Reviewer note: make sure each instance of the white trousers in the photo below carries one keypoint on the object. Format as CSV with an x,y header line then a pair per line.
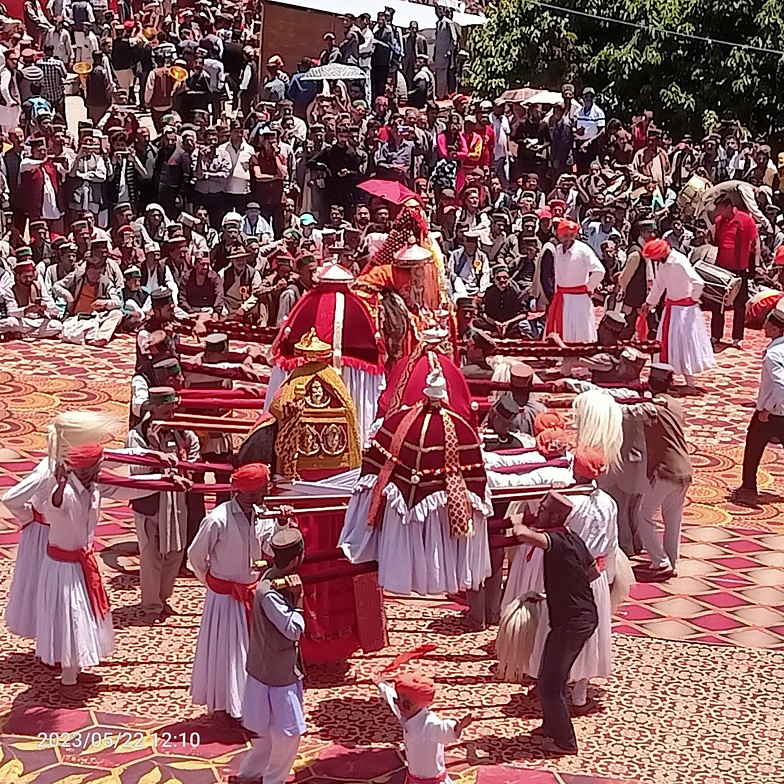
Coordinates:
x,y
670,498
10,324
271,757
100,326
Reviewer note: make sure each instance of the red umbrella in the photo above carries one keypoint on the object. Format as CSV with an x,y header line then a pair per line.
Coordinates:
x,y
389,190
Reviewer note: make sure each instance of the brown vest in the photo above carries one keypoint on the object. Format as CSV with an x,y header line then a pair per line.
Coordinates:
x,y
273,659
25,296
162,87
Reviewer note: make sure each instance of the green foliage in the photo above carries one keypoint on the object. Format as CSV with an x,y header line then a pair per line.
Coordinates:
x,y
681,80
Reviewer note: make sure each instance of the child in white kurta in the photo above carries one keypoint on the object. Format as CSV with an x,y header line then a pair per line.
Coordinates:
x,y
69,631
424,733
20,612
682,331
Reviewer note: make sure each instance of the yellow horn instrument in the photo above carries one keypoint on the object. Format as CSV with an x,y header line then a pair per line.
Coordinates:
x,y
83,69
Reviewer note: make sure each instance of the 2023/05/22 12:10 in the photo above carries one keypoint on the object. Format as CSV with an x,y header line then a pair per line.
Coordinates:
x,y
182,740
93,740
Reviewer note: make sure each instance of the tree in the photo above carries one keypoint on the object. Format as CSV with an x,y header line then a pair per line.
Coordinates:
x,y
522,44
641,65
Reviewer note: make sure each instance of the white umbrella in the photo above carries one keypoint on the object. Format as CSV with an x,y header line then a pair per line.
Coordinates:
x,y
545,97
334,71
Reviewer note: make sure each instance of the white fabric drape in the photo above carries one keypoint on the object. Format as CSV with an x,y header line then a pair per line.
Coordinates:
x,y
415,551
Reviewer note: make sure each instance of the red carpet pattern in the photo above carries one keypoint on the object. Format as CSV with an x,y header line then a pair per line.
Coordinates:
x,y
675,710
672,712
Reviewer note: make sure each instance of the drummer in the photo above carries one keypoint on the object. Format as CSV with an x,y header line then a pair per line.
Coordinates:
x,y
737,239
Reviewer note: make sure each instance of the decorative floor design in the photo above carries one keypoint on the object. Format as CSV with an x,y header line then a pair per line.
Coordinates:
x,y
675,711
729,591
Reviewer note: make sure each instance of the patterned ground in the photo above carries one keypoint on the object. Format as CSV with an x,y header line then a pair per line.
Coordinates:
x,y
675,711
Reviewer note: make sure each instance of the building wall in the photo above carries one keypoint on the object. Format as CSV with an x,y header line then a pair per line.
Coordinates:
x,y
294,33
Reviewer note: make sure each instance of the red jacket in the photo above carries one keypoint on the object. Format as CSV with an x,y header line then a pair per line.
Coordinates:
x,y
32,187
736,239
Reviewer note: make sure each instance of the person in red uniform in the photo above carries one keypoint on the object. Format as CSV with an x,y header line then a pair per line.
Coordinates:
x,y
737,238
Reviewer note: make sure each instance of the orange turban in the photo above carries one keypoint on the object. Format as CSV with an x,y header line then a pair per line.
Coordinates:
x,y
551,442
546,419
417,687
567,228
589,462
85,456
656,250
250,477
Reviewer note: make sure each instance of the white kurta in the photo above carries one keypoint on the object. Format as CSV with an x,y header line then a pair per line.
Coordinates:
x,y
424,738
689,347
277,709
67,631
172,516
83,330
578,266
414,548
20,611
226,546
594,520
46,326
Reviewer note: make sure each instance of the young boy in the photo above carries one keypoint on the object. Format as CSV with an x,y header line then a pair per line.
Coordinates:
x,y
424,733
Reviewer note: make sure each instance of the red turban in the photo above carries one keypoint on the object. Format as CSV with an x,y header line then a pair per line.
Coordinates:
x,y
589,462
778,256
84,456
250,477
547,419
551,442
656,249
567,228
418,688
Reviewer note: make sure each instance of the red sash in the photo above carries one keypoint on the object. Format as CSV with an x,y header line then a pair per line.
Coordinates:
x,y
416,780
641,326
554,322
37,518
669,304
96,591
241,592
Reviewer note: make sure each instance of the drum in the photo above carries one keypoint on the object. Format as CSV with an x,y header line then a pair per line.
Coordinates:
x,y
721,285
692,190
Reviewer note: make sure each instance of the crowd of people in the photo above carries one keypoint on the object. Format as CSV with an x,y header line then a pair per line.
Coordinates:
x,y
401,241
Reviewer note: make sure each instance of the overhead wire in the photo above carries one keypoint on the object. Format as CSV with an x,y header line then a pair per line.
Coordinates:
x,y
659,30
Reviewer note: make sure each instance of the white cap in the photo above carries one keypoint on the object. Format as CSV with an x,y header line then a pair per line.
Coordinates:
x,y
151,247
777,312
434,335
413,254
335,273
231,217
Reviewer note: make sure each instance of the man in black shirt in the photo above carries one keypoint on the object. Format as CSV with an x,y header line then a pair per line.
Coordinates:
x,y
382,58
568,571
343,165
504,308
